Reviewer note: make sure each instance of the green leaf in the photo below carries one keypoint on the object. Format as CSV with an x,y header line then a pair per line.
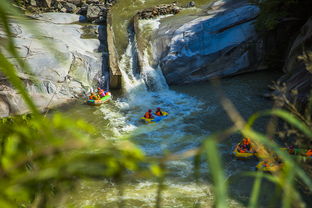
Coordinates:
x,y
216,169
156,170
290,118
255,190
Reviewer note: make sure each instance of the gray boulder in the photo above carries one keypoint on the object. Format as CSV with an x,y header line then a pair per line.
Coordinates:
x,y
70,8
67,71
217,45
93,12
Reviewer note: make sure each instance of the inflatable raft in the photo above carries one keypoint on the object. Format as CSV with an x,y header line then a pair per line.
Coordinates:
x,y
243,155
155,119
101,101
269,166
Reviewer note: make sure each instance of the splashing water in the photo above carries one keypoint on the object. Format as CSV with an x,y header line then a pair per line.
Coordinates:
x,y
124,117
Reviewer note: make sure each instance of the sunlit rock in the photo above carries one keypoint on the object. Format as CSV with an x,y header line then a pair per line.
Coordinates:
x,y
217,45
63,65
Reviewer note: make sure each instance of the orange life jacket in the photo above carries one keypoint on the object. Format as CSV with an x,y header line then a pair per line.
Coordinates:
x,y
159,113
92,97
309,153
242,151
148,115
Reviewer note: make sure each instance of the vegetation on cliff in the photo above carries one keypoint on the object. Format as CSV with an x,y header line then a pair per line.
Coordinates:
x,y
275,12
280,21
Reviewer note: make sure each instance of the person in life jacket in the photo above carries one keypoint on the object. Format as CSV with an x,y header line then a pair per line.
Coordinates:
x,y
244,146
159,112
101,92
291,150
93,96
148,114
265,163
309,153
247,143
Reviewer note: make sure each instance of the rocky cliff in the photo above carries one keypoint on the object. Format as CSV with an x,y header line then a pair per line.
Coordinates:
x,y
57,76
223,42
298,65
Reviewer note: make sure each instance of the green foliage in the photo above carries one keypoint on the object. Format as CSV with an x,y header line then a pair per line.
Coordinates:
x,y
40,153
42,158
274,11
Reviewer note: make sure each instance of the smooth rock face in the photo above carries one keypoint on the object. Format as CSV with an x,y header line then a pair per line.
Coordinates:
x,y
217,45
70,67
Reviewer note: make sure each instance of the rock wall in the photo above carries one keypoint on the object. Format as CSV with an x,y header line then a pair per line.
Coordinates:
x,y
54,82
219,44
115,74
298,66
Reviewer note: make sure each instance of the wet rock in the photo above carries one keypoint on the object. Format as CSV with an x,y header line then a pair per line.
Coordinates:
x,y
63,9
70,8
96,14
77,3
191,4
33,3
92,1
93,12
58,6
4,108
163,9
83,10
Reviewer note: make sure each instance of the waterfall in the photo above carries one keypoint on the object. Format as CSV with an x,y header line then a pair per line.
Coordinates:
x,y
146,89
152,76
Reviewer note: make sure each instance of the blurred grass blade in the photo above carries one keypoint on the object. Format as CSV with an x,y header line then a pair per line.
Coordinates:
x,y
11,45
215,167
253,202
9,70
288,185
290,118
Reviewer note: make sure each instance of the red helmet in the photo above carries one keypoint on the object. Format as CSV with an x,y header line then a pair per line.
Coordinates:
x,y
158,108
149,110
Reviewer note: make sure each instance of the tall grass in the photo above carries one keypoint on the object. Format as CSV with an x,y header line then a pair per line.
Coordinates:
x,y
42,158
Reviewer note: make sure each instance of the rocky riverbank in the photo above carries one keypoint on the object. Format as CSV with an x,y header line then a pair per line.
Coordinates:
x,y
156,11
94,10
59,75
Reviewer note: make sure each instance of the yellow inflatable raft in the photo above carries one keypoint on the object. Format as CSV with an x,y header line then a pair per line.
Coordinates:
x,y
242,155
155,119
101,101
269,166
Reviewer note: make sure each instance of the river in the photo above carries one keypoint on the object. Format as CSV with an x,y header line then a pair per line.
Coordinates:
x,y
194,113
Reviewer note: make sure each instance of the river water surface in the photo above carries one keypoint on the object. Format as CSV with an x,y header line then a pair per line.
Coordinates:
x,y
194,113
